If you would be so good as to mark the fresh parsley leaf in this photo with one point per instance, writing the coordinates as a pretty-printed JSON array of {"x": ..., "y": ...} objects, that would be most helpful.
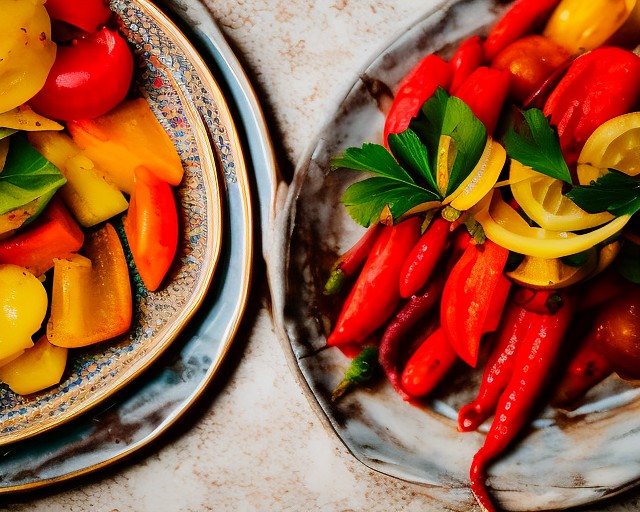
[
  {"x": 366, "y": 199},
  {"x": 26, "y": 176},
  {"x": 533, "y": 142},
  {"x": 413, "y": 155},
  {"x": 447, "y": 115},
  {"x": 373, "y": 158},
  {"x": 613, "y": 192}
]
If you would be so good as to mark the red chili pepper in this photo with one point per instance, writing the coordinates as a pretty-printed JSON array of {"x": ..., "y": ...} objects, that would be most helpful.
[
  {"x": 55, "y": 234},
  {"x": 515, "y": 323},
  {"x": 467, "y": 297},
  {"x": 467, "y": 58},
  {"x": 586, "y": 368},
  {"x": 416, "y": 88},
  {"x": 538, "y": 301},
  {"x": 539, "y": 97},
  {"x": 496, "y": 305},
  {"x": 534, "y": 360},
  {"x": 604, "y": 287},
  {"x": 394, "y": 338},
  {"x": 424, "y": 257},
  {"x": 376, "y": 294},
  {"x": 428, "y": 365},
  {"x": 351, "y": 261},
  {"x": 523, "y": 18},
  {"x": 598, "y": 86},
  {"x": 485, "y": 91},
  {"x": 151, "y": 226}
]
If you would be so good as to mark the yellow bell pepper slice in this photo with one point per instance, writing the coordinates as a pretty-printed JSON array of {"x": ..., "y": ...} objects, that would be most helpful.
[
  {"x": 38, "y": 368},
  {"x": 481, "y": 180},
  {"x": 582, "y": 26},
  {"x": 504, "y": 226},
  {"x": 23, "y": 118},
  {"x": 551, "y": 273},
  {"x": 541, "y": 198}
]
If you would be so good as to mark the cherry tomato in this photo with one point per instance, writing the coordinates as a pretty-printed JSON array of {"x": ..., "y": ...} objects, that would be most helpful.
[
  {"x": 87, "y": 15},
  {"x": 88, "y": 78},
  {"x": 530, "y": 60},
  {"x": 618, "y": 331}
]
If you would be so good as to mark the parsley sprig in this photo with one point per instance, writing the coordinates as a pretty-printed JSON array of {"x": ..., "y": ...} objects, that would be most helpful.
[
  {"x": 405, "y": 176},
  {"x": 613, "y": 192}
]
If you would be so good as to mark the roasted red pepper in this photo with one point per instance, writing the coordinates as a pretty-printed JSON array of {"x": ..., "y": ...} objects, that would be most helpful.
[
  {"x": 376, "y": 295},
  {"x": 351, "y": 261},
  {"x": 467, "y": 58},
  {"x": 151, "y": 226},
  {"x": 534, "y": 361},
  {"x": 424, "y": 257},
  {"x": 468, "y": 294},
  {"x": 428, "y": 365},
  {"x": 416, "y": 88},
  {"x": 485, "y": 91},
  {"x": 55, "y": 234},
  {"x": 523, "y": 18},
  {"x": 598, "y": 86},
  {"x": 395, "y": 335}
]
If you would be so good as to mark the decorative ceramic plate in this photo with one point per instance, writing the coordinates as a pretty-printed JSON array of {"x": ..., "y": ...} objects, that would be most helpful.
[
  {"x": 170, "y": 82},
  {"x": 144, "y": 410},
  {"x": 567, "y": 457}
]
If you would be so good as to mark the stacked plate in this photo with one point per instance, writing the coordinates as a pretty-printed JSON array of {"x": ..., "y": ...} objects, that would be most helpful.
[{"x": 116, "y": 399}]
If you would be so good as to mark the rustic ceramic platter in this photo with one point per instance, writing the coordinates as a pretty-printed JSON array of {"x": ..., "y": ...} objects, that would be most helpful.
[
  {"x": 565, "y": 459},
  {"x": 170, "y": 82}
]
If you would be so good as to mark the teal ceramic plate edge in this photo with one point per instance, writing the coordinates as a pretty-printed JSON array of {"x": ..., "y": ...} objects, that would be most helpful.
[{"x": 130, "y": 421}]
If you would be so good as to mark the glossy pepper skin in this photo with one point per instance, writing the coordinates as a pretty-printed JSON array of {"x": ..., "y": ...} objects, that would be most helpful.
[
  {"x": 523, "y": 18},
  {"x": 467, "y": 58},
  {"x": 416, "y": 88},
  {"x": 532, "y": 367},
  {"x": 598, "y": 86},
  {"x": 375, "y": 295},
  {"x": 468, "y": 294}
]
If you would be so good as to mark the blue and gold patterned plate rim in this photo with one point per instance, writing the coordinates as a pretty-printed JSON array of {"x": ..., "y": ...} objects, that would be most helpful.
[{"x": 175, "y": 85}]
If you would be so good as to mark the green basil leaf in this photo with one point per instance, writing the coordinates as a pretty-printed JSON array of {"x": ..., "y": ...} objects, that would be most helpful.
[{"x": 26, "y": 176}]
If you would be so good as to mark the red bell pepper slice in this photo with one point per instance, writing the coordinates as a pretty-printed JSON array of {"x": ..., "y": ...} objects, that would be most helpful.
[
  {"x": 55, "y": 234},
  {"x": 376, "y": 295},
  {"x": 485, "y": 91},
  {"x": 467, "y": 297},
  {"x": 598, "y": 86},
  {"x": 416, "y": 88},
  {"x": 523, "y": 18},
  {"x": 151, "y": 226},
  {"x": 467, "y": 58}
]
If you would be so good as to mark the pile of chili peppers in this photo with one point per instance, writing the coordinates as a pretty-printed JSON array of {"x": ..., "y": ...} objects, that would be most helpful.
[{"x": 427, "y": 297}]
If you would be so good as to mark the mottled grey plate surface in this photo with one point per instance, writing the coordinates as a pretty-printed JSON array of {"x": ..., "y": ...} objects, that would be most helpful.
[{"x": 565, "y": 459}]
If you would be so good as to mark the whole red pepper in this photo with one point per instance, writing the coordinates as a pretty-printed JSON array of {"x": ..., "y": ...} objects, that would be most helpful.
[
  {"x": 485, "y": 91},
  {"x": 598, "y": 86},
  {"x": 416, "y": 88},
  {"x": 467, "y": 58},
  {"x": 376, "y": 295},
  {"x": 428, "y": 365},
  {"x": 523, "y": 18},
  {"x": 395, "y": 335},
  {"x": 424, "y": 257},
  {"x": 534, "y": 361},
  {"x": 468, "y": 294}
]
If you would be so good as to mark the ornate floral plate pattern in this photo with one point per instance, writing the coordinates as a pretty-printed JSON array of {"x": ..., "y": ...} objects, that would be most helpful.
[
  {"x": 171, "y": 85},
  {"x": 567, "y": 458}
]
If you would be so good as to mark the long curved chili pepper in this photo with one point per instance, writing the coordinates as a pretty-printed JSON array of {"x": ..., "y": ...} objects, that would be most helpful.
[
  {"x": 376, "y": 295},
  {"x": 523, "y": 18},
  {"x": 485, "y": 91},
  {"x": 515, "y": 324},
  {"x": 538, "y": 301},
  {"x": 588, "y": 367},
  {"x": 349, "y": 263},
  {"x": 424, "y": 257},
  {"x": 532, "y": 367},
  {"x": 467, "y": 58},
  {"x": 394, "y": 337},
  {"x": 467, "y": 296},
  {"x": 428, "y": 365},
  {"x": 416, "y": 88}
]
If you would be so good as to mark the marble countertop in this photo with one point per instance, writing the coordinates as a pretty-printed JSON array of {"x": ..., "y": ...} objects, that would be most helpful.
[{"x": 253, "y": 442}]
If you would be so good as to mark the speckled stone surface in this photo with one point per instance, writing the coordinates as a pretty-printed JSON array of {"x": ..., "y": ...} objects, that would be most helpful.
[{"x": 253, "y": 442}]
